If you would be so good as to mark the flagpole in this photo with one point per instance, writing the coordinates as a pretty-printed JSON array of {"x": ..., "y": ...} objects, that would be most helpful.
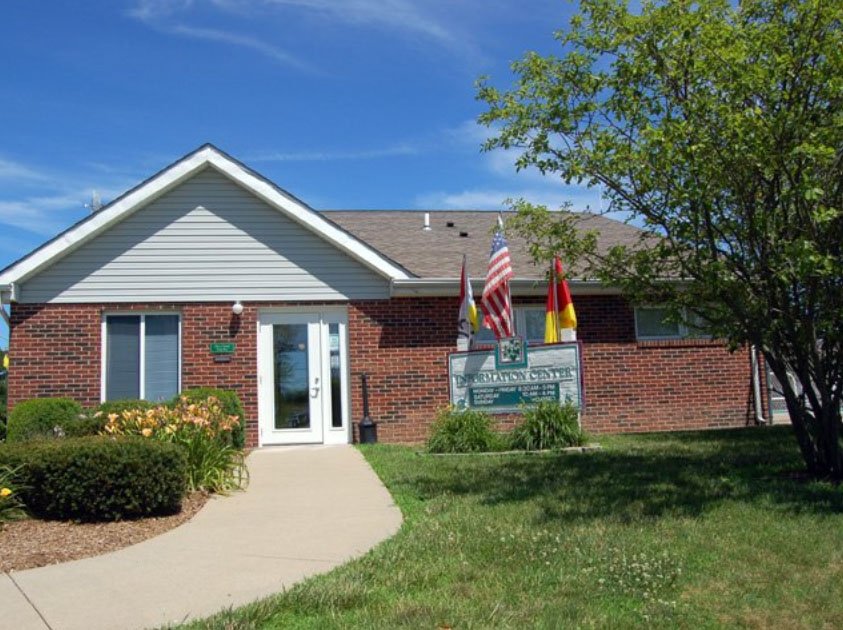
[{"x": 556, "y": 323}]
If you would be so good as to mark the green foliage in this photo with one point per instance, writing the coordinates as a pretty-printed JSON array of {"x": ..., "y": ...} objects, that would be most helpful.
[
  {"x": 717, "y": 128},
  {"x": 98, "y": 478},
  {"x": 119, "y": 406},
  {"x": 548, "y": 425},
  {"x": 10, "y": 505},
  {"x": 231, "y": 406},
  {"x": 39, "y": 417},
  {"x": 463, "y": 431},
  {"x": 201, "y": 428}
]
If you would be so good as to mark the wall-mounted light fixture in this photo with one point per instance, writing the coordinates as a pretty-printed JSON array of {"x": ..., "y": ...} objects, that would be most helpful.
[{"x": 237, "y": 308}]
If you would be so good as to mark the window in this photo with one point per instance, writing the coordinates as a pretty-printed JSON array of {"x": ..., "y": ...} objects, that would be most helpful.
[
  {"x": 529, "y": 323},
  {"x": 142, "y": 357},
  {"x": 651, "y": 323}
]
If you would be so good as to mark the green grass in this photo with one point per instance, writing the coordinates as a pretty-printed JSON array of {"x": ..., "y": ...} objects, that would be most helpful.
[{"x": 688, "y": 530}]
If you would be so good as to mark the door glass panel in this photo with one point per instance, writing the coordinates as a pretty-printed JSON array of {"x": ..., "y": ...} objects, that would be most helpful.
[
  {"x": 292, "y": 393},
  {"x": 336, "y": 375}
]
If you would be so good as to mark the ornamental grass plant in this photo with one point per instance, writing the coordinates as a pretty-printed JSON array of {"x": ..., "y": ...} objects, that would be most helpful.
[
  {"x": 463, "y": 431},
  {"x": 547, "y": 425},
  {"x": 201, "y": 428}
]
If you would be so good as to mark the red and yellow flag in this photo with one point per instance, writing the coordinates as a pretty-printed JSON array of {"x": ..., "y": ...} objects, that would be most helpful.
[{"x": 560, "y": 308}]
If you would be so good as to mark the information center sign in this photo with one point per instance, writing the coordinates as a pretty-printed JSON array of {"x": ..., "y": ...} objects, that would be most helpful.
[{"x": 552, "y": 373}]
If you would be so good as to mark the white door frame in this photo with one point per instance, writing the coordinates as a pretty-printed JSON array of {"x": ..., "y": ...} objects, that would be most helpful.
[{"x": 321, "y": 317}]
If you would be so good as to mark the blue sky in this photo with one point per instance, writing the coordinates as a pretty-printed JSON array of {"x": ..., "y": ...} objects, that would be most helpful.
[{"x": 350, "y": 104}]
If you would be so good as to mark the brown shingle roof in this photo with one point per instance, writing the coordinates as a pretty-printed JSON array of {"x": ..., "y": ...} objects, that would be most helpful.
[{"x": 437, "y": 253}]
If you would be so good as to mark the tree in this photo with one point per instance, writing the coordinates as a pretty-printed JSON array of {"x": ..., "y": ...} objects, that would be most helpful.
[{"x": 716, "y": 127}]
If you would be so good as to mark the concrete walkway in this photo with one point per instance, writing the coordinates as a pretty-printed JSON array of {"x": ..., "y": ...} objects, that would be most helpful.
[{"x": 307, "y": 510}]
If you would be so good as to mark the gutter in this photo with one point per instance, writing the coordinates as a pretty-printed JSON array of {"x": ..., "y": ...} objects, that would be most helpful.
[
  {"x": 445, "y": 287},
  {"x": 756, "y": 385}
]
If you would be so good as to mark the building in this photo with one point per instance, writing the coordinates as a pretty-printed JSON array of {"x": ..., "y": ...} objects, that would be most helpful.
[{"x": 209, "y": 274}]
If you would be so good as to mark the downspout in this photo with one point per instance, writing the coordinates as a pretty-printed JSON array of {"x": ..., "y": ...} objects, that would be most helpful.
[{"x": 756, "y": 385}]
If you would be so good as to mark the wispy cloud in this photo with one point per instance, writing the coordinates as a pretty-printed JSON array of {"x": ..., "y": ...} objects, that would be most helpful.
[
  {"x": 244, "y": 41},
  {"x": 403, "y": 17},
  {"x": 496, "y": 198},
  {"x": 332, "y": 155},
  {"x": 16, "y": 171},
  {"x": 394, "y": 14}
]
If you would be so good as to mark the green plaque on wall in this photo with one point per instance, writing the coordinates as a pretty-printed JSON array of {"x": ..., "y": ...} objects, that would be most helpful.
[{"x": 222, "y": 348}]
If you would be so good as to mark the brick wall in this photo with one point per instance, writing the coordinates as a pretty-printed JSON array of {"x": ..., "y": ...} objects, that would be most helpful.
[{"x": 403, "y": 345}]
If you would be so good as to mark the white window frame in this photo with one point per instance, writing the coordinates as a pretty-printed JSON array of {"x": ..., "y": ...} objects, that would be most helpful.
[
  {"x": 521, "y": 321},
  {"x": 685, "y": 331},
  {"x": 142, "y": 359}
]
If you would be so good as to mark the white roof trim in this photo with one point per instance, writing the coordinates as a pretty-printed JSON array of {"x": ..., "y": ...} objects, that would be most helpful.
[
  {"x": 171, "y": 177},
  {"x": 430, "y": 287}
]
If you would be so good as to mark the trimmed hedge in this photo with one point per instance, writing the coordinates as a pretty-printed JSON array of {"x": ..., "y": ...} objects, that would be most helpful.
[
  {"x": 119, "y": 406},
  {"x": 39, "y": 416},
  {"x": 98, "y": 478},
  {"x": 231, "y": 406}
]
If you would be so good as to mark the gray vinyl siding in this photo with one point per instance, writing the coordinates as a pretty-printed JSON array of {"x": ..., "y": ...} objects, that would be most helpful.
[{"x": 206, "y": 240}]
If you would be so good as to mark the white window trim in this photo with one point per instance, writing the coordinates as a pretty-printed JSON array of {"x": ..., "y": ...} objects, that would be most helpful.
[
  {"x": 684, "y": 329},
  {"x": 104, "y": 347},
  {"x": 521, "y": 321}
]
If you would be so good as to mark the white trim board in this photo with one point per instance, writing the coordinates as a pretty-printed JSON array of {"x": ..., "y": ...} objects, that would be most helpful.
[{"x": 206, "y": 156}]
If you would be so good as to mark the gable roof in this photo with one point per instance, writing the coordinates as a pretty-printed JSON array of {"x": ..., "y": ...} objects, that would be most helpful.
[
  {"x": 437, "y": 253},
  {"x": 206, "y": 156}
]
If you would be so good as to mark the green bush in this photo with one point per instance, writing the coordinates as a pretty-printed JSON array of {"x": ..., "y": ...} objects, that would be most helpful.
[
  {"x": 548, "y": 425},
  {"x": 38, "y": 418},
  {"x": 98, "y": 478},
  {"x": 463, "y": 431},
  {"x": 4, "y": 386},
  {"x": 231, "y": 406}
]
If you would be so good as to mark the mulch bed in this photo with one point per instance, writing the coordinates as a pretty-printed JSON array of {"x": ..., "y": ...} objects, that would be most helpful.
[{"x": 31, "y": 543}]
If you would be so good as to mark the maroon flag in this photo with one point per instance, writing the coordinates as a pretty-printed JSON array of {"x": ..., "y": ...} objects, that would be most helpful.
[{"x": 496, "y": 302}]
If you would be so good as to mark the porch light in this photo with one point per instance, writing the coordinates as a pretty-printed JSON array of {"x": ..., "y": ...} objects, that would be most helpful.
[{"x": 237, "y": 308}]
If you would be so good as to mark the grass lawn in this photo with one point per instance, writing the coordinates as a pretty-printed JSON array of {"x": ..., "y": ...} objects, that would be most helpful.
[{"x": 689, "y": 530}]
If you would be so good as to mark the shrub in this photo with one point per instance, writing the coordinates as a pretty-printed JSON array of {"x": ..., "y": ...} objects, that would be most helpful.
[
  {"x": 463, "y": 431},
  {"x": 201, "y": 429},
  {"x": 98, "y": 478},
  {"x": 119, "y": 406},
  {"x": 548, "y": 425},
  {"x": 39, "y": 416},
  {"x": 231, "y": 406},
  {"x": 10, "y": 505}
]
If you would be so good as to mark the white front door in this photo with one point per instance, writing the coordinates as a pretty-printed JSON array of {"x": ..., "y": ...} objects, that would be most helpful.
[{"x": 302, "y": 366}]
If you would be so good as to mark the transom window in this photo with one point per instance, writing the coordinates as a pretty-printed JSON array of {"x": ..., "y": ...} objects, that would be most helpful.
[{"x": 142, "y": 357}]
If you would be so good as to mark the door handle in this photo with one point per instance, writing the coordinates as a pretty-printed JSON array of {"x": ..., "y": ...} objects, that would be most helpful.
[{"x": 314, "y": 391}]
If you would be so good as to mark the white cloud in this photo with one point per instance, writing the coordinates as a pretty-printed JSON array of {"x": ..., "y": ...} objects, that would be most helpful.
[
  {"x": 326, "y": 156},
  {"x": 244, "y": 41},
  {"x": 17, "y": 171},
  {"x": 495, "y": 199}
]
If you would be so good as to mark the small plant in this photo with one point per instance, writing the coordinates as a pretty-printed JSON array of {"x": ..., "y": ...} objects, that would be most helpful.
[
  {"x": 548, "y": 425},
  {"x": 463, "y": 431},
  {"x": 231, "y": 406},
  {"x": 97, "y": 478},
  {"x": 10, "y": 505},
  {"x": 201, "y": 429},
  {"x": 40, "y": 417}
]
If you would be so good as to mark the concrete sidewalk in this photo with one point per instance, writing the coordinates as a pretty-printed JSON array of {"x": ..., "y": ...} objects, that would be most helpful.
[{"x": 307, "y": 510}]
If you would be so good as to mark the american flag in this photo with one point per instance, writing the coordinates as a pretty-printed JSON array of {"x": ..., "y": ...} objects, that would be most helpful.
[{"x": 496, "y": 306}]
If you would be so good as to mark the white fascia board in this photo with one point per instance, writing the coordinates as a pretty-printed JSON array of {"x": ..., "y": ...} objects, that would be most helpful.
[
  {"x": 112, "y": 214},
  {"x": 433, "y": 287},
  {"x": 308, "y": 218}
]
